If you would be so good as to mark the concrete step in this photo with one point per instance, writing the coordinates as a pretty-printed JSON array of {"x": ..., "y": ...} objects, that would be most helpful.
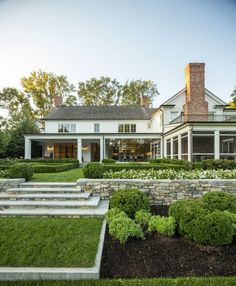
[
  {"x": 92, "y": 202},
  {"x": 43, "y": 190},
  {"x": 43, "y": 196},
  {"x": 48, "y": 185},
  {"x": 100, "y": 211}
]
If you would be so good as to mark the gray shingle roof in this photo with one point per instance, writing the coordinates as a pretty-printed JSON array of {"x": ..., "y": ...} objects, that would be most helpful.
[{"x": 101, "y": 113}]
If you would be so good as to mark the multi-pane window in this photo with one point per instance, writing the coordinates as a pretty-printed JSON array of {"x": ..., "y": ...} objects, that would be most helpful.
[
  {"x": 127, "y": 128},
  {"x": 66, "y": 128},
  {"x": 96, "y": 128}
]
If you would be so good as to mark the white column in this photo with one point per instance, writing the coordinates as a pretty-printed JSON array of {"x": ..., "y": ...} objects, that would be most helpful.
[
  {"x": 27, "y": 149},
  {"x": 171, "y": 148},
  {"x": 190, "y": 145},
  {"x": 79, "y": 150},
  {"x": 179, "y": 147},
  {"x": 164, "y": 148},
  {"x": 101, "y": 149},
  {"x": 217, "y": 145}
]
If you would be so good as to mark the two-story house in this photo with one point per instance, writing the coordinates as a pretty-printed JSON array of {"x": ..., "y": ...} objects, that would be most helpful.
[{"x": 194, "y": 124}]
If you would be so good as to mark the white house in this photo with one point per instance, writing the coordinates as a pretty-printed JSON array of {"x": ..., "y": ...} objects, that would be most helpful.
[{"x": 194, "y": 124}]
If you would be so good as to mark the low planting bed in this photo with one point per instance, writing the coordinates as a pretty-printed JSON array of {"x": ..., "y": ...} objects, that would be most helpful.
[
  {"x": 162, "y": 256},
  {"x": 49, "y": 242}
]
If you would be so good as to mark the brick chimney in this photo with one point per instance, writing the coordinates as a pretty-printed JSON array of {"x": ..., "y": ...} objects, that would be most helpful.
[
  {"x": 57, "y": 101},
  {"x": 144, "y": 102},
  {"x": 195, "y": 103}
]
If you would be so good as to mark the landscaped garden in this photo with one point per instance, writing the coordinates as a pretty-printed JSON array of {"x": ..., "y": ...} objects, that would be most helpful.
[
  {"x": 49, "y": 242},
  {"x": 189, "y": 238}
]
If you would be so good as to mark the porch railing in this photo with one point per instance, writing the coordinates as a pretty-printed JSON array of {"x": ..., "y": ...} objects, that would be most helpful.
[{"x": 203, "y": 118}]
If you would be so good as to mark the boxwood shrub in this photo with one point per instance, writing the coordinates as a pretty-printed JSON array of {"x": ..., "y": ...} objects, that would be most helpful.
[
  {"x": 94, "y": 171},
  {"x": 219, "y": 201},
  {"x": 108, "y": 161},
  {"x": 130, "y": 201},
  {"x": 53, "y": 168},
  {"x": 51, "y": 161},
  {"x": 141, "y": 166},
  {"x": 211, "y": 164},
  {"x": 21, "y": 170}
]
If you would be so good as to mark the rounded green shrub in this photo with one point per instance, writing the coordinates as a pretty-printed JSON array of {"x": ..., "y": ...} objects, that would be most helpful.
[
  {"x": 143, "y": 217},
  {"x": 130, "y": 201},
  {"x": 108, "y": 161},
  {"x": 94, "y": 171},
  {"x": 114, "y": 213},
  {"x": 163, "y": 225},
  {"x": 21, "y": 170},
  {"x": 219, "y": 201},
  {"x": 215, "y": 228},
  {"x": 123, "y": 227}
]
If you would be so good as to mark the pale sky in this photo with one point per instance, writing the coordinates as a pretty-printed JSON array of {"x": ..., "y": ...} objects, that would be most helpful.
[{"x": 122, "y": 39}]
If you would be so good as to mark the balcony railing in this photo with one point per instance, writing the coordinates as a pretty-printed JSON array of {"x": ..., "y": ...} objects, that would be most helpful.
[{"x": 203, "y": 118}]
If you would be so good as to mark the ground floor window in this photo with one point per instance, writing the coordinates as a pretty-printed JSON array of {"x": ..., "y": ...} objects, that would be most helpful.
[
  {"x": 184, "y": 146},
  {"x": 203, "y": 146},
  {"x": 175, "y": 147},
  {"x": 128, "y": 150},
  {"x": 156, "y": 149},
  {"x": 228, "y": 145},
  {"x": 65, "y": 150}
]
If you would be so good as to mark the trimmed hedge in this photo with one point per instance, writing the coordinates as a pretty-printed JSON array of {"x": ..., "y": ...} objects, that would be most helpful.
[
  {"x": 21, "y": 170},
  {"x": 94, "y": 171},
  {"x": 136, "y": 166},
  {"x": 219, "y": 201},
  {"x": 53, "y": 168},
  {"x": 108, "y": 161},
  {"x": 130, "y": 201},
  {"x": 51, "y": 161}
]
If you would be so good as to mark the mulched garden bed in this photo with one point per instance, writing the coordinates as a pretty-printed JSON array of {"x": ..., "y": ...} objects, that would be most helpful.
[{"x": 159, "y": 256}]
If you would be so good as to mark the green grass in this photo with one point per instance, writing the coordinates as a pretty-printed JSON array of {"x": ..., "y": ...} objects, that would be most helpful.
[
  {"x": 214, "y": 281},
  {"x": 67, "y": 176},
  {"x": 49, "y": 242}
]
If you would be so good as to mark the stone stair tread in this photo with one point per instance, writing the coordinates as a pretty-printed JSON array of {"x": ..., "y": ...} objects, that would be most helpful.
[
  {"x": 44, "y": 190},
  {"x": 91, "y": 202},
  {"x": 84, "y": 195},
  {"x": 101, "y": 209}
]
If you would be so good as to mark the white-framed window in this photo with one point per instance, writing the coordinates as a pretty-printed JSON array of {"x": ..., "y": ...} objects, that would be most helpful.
[
  {"x": 60, "y": 128},
  {"x": 73, "y": 128},
  {"x": 126, "y": 128},
  {"x": 96, "y": 127},
  {"x": 66, "y": 128},
  {"x": 173, "y": 115}
]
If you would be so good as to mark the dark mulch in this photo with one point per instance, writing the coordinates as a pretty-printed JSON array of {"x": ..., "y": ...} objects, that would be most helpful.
[{"x": 160, "y": 256}]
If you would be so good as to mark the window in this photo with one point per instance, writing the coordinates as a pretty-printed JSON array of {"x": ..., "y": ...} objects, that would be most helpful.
[
  {"x": 73, "y": 128},
  {"x": 133, "y": 128},
  {"x": 173, "y": 115},
  {"x": 60, "y": 128},
  {"x": 96, "y": 127},
  {"x": 127, "y": 128},
  {"x": 66, "y": 128}
]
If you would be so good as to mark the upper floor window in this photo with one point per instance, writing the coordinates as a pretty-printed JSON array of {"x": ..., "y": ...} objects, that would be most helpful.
[
  {"x": 96, "y": 128},
  {"x": 66, "y": 128},
  {"x": 127, "y": 128}
]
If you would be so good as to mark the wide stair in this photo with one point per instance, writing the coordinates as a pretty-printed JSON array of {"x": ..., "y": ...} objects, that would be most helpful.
[{"x": 51, "y": 199}]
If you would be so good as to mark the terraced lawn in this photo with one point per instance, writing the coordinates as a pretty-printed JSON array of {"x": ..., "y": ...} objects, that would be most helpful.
[
  {"x": 49, "y": 242},
  {"x": 67, "y": 176}
]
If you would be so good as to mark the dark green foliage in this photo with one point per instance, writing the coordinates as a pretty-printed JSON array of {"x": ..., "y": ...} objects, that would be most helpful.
[
  {"x": 232, "y": 216},
  {"x": 198, "y": 166},
  {"x": 108, "y": 161},
  {"x": 53, "y": 168},
  {"x": 143, "y": 217},
  {"x": 114, "y": 213},
  {"x": 94, "y": 171},
  {"x": 163, "y": 225},
  {"x": 220, "y": 201},
  {"x": 122, "y": 228},
  {"x": 51, "y": 161},
  {"x": 21, "y": 170},
  {"x": 214, "y": 228},
  {"x": 130, "y": 201},
  {"x": 142, "y": 166},
  {"x": 218, "y": 164}
]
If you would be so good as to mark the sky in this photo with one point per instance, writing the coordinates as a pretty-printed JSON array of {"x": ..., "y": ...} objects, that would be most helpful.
[{"x": 122, "y": 39}]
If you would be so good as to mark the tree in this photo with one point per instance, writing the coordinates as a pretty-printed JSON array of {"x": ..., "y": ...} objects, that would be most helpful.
[
  {"x": 233, "y": 95},
  {"x": 102, "y": 91},
  {"x": 133, "y": 90},
  {"x": 41, "y": 87},
  {"x": 14, "y": 101},
  {"x": 18, "y": 125},
  {"x": 4, "y": 139}
]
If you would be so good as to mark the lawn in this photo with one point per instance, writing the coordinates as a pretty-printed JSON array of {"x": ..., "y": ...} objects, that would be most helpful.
[
  {"x": 216, "y": 281},
  {"x": 67, "y": 176},
  {"x": 49, "y": 242}
]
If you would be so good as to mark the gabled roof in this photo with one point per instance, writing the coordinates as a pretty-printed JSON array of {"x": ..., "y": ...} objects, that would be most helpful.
[{"x": 101, "y": 113}]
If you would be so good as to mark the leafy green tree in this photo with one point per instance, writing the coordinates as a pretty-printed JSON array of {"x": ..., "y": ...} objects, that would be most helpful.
[
  {"x": 4, "y": 139},
  {"x": 133, "y": 90},
  {"x": 18, "y": 125},
  {"x": 14, "y": 101},
  {"x": 233, "y": 96},
  {"x": 41, "y": 87},
  {"x": 102, "y": 91}
]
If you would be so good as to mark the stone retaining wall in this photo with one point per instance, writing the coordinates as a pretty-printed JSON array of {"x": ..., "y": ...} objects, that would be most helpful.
[
  {"x": 10, "y": 183},
  {"x": 160, "y": 192}
]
